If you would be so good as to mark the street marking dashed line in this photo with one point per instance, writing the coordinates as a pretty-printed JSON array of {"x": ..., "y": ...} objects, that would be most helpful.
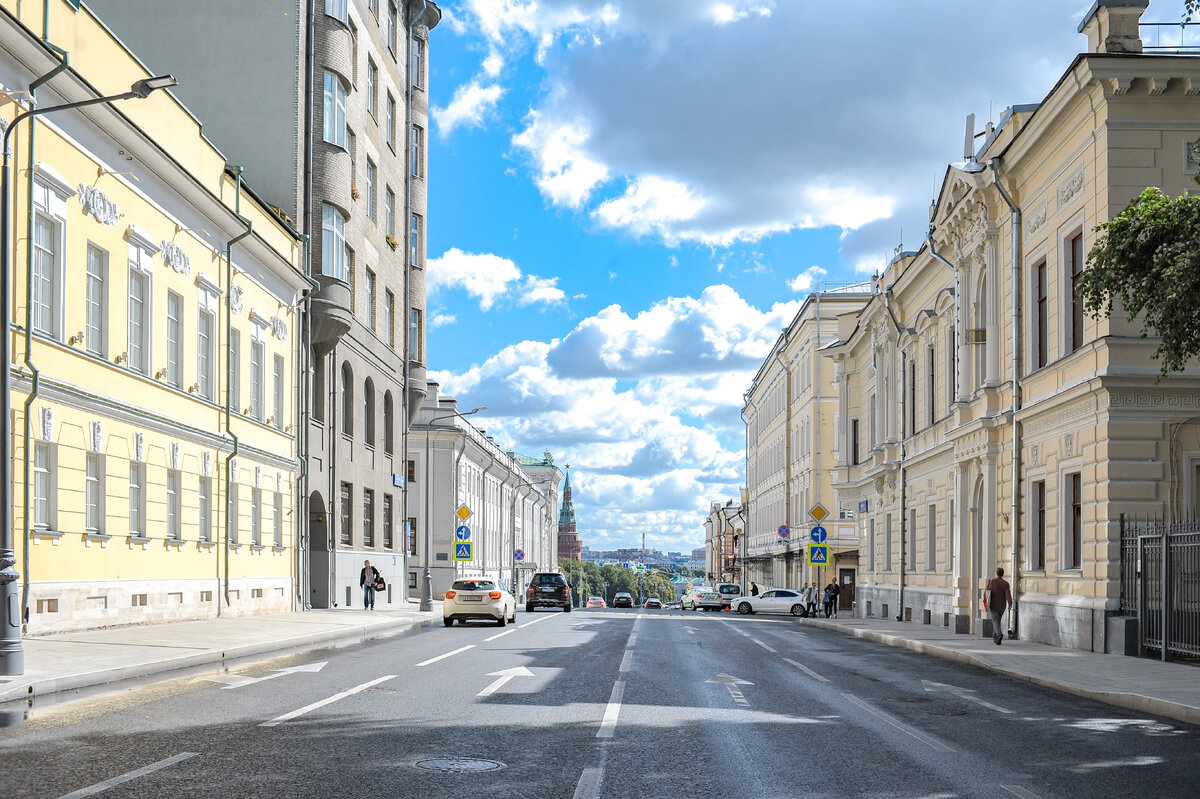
[
  {"x": 608, "y": 724},
  {"x": 448, "y": 654},
  {"x": 898, "y": 724},
  {"x": 328, "y": 701},
  {"x": 764, "y": 646},
  {"x": 91, "y": 790},
  {"x": 807, "y": 670}
]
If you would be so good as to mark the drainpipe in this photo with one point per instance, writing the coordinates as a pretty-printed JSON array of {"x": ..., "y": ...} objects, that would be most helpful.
[
  {"x": 237, "y": 173},
  {"x": 887, "y": 300},
  {"x": 1015, "y": 513}
]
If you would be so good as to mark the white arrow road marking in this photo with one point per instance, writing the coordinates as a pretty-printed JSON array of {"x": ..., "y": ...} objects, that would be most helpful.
[
  {"x": 691, "y": 630},
  {"x": 962, "y": 693},
  {"x": 505, "y": 676},
  {"x": 732, "y": 683},
  {"x": 307, "y": 708},
  {"x": 92, "y": 790},
  {"x": 238, "y": 680}
]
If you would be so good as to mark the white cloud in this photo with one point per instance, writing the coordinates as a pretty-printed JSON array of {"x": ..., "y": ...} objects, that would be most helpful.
[
  {"x": 491, "y": 278},
  {"x": 493, "y": 64},
  {"x": 540, "y": 289},
  {"x": 470, "y": 105},
  {"x": 803, "y": 282},
  {"x": 566, "y": 175},
  {"x": 441, "y": 319},
  {"x": 651, "y": 204}
]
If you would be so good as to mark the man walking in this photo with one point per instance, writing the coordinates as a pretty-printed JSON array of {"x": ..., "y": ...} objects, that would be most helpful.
[
  {"x": 814, "y": 594},
  {"x": 995, "y": 596},
  {"x": 834, "y": 592},
  {"x": 366, "y": 579}
]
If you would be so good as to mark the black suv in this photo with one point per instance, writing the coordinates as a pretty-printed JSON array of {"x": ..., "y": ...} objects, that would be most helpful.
[{"x": 548, "y": 590}]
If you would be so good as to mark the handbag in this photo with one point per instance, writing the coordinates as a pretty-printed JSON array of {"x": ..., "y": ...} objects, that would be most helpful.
[{"x": 380, "y": 585}]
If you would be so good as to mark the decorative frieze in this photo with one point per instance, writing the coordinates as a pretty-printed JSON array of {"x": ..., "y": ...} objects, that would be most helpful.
[
  {"x": 174, "y": 257},
  {"x": 235, "y": 299},
  {"x": 97, "y": 203},
  {"x": 1069, "y": 445},
  {"x": 97, "y": 436},
  {"x": 1037, "y": 219},
  {"x": 279, "y": 328},
  {"x": 1069, "y": 188},
  {"x": 206, "y": 464},
  {"x": 47, "y": 424},
  {"x": 174, "y": 455},
  {"x": 258, "y": 477},
  {"x": 139, "y": 447}
]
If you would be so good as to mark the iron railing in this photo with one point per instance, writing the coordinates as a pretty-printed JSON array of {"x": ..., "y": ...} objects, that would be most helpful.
[{"x": 1169, "y": 37}]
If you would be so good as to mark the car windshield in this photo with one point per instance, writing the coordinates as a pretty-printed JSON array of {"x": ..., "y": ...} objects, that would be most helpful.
[
  {"x": 730, "y": 589},
  {"x": 549, "y": 579},
  {"x": 474, "y": 585}
]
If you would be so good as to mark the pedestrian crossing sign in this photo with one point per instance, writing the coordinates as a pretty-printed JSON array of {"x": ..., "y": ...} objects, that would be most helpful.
[
  {"x": 818, "y": 554},
  {"x": 464, "y": 550}
]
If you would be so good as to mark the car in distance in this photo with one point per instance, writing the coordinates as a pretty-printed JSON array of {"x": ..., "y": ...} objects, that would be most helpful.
[
  {"x": 478, "y": 598},
  {"x": 653, "y": 603},
  {"x": 728, "y": 592},
  {"x": 622, "y": 599},
  {"x": 548, "y": 590},
  {"x": 596, "y": 602},
  {"x": 774, "y": 600},
  {"x": 701, "y": 597}
]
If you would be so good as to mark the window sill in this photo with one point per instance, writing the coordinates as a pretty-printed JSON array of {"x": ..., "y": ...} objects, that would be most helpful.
[
  {"x": 257, "y": 547},
  {"x": 234, "y": 546},
  {"x": 96, "y": 538},
  {"x": 45, "y": 534},
  {"x": 278, "y": 549},
  {"x": 1076, "y": 572},
  {"x": 206, "y": 545},
  {"x": 138, "y": 540},
  {"x": 174, "y": 542}
]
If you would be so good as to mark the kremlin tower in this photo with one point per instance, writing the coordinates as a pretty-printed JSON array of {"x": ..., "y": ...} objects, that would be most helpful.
[{"x": 569, "y": 545}]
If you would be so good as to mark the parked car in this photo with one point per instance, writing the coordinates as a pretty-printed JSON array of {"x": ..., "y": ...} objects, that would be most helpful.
[
  {"x": 701, "y": 597},
  {"x": 728, "y": 592},
  {"x": 774, "y": 600},
  {"x": 653, "y": 603},
  {"x": 478, "y": 599},
  {"x": 622, "y": 599},
  {"x": 596, "y": 602},
  {"x": 548, "y": 590}
]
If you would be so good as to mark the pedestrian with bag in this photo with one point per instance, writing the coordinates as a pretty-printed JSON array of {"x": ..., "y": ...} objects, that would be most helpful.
[
  {"x": 370, "y": 580},
  {"x": 834, "y": 592},
  {"x": 997, "y": 597}
]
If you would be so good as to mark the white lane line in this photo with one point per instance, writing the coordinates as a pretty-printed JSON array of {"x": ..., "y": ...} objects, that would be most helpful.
[
  {"x": 632, "y": 640},
  {"x": 625, "y": 661},
  {"x": 501, "y": 635},
  {"x": 764, "y": 646},
  {"x": 589, "y": 784},
  {"x": 608, "y": 725},
  {"x": 535, "y": 621},
  {"x": 807, "y": 670},
  {"x": 91, "y": 790},
  {"x": 900, "y": 725},
  {"x": 329, "y": 701},
  {"x": 448, "y": 654},
  {"x": 1021, "y": 792}
]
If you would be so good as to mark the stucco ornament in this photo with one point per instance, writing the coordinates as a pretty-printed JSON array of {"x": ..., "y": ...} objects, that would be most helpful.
[
  {"x": 47, "y": 424},
  {"x": 235, "y": 299},
  {"x": 279, "y": 328},
  {"x": 139, "y": 447},
  {"x": 97, "y": 436},
  {"x": 97, "y": 203},
  {"x": 174, "y": 455},
  {"x": 206, "y": 464},
  {"x": 176, "y": 258}
]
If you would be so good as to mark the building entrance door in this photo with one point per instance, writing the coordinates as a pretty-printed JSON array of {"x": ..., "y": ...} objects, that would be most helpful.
[{"x": 846, "y": 583}]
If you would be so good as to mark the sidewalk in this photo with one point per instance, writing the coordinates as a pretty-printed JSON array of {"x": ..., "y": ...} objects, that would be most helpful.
[
  {"x": 1142, "y": 684},
  {"x": 68, "y": 661}
]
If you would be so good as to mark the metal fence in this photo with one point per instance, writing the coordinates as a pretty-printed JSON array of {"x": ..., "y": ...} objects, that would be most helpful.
[{"x": 1160, "y": 584}]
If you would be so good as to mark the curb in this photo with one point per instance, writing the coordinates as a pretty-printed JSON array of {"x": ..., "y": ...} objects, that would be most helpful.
[
  {"x": 1129, "y": 701},
  {"x": 296, "y": 644}
]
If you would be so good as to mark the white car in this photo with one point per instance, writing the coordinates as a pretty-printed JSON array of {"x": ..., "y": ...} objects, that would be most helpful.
[
  {"x": 478, "y": 598},
  {"x": 773, "y": 600},
  {"x": 702, "y": 596},
  {"x": 595, "y": 602}
]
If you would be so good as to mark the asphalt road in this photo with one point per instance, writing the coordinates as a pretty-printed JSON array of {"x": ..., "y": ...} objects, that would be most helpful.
[{"x": 611, "y": 704}]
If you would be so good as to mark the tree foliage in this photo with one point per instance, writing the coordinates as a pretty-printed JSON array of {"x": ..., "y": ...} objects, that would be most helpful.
[{"x": 1148, "y": 259}]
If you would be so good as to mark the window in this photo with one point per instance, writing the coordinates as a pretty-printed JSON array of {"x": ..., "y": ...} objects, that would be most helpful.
[
  {"x": 44, "y": 488},
  {"x": 174, "y": 505},
  {"x": 204, "y": 509},
  {"x": 257, "y": 403},
  {"x": 1075, "y": 265},
  {"x": 391, "y": 27},
  {"x": 414, "y": 240},
  {"x": 909, "y": 543},
  {"x": 389, "y": 204},
  {"x": 412, "y": 472},
  {"x": 353, "y": 52},
  {"x": 93, "y": 495},
  {"x": 335, "y": 110},
  {"x": 368, "y": 522},
  {"x": 279, "y": 388},
  {"x": 256, "y": 517},
  {"x": 337, "y": 9},
  {"x": 389, "y": 317},
  {"x": 853, "y": 442},
  {"x": 318, "y": 391},
  {"x": 46, "y": 281},
  {"x": 410, "y": 535},
  {"x": 235, "y": 369},
  {"x": 387, "y": 521},
  {"x": 334, "y": 254},
  {"x": 370, "y": 289},
  {"x": 96, "y": 301},
  {"x": 931, "y": 386},
  {"x": 138, "y": 352},
  {"x": 278, "y": 519},
  {"x": 373, "y": 5},
  {"x": 418, "y": 62},
  {"x": 414, "y": 151},
  {"x": 931, "y": 538},
  {"x": 388, "y": 422},
  {"x": 137, "y": 500},
  {"x": 1074, "y": 559},
  {"x": 369, "y": 413},
  {"x": 344, "y": 532},
  {"x": 372, "y": 83},
  {"x": 887, "y": 543},
  {"x": 347, "y": 400},
  {"x": 174, "y": 339},
  {"x": 372, "y": 175},
  {"x": 390, "y": 114},
  {"x": 414, "y": 334},
  {"x": 235, "y": 514},
  {"x": 912, "y": 397},
  {"x": 205, "y": 353},
  {"x": 1041, "y": 331},
  {"x": 871, "y": 544},
  {"x": 1037, "y": 547}
]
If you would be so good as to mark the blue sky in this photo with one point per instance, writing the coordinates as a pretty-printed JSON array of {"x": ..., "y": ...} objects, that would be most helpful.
[{"x": 630, "y": 198}]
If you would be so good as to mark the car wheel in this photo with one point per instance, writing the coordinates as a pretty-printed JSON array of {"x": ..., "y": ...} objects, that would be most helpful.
[
  {"x": 799, "y": 610},
  {"x": 567, "y": 609},
  {"x": 513, "y": 616},
  {"x": 502, "y": 620},
  {"x": 745, "y": 609},
  {"x": 528, "y": 608},
  {"x": 447, "y": 622}
]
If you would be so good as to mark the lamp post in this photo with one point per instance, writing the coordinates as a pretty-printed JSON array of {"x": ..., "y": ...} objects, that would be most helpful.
[
  {"x": 427, "y": 583},
  {"x": 12, "y": 654}
]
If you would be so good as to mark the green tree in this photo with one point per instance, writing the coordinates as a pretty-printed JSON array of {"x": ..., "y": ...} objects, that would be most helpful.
[{"x": 1148, "y": 259}]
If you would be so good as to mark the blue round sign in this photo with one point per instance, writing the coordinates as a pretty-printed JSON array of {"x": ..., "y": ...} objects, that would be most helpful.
[
  {"x": 463, "y": 533},
  {"x": 818, "y": 534},
  {"x": 784, "y": 531}
]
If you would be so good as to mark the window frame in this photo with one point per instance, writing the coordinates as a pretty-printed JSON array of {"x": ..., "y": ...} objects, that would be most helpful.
[
  {"x": 372, "y": 89},
  {"x": 137, "y": 499},
  {"x": 93, "y": 494},
  {"x": 95, "y": 326},
  {"x": 416, "y": 148},
  {"x": 174, "y": 491},
  {"x": 372, "y": 181},
  {"x": 334, "y": 123},
  {"x": 368, "y": 517},
  {"x": 345, "y": 502},
  {"x": 279, "y": 389},
  {"x": 416, "y": 226},
  {"x": 204, "y": 509},
  {"x": 141, "y": 337},
  {"x": 277, "y": 519},
  {"x": 417, "y": 66},
  {"x": 175, "y": 325},
  {"x": 335, "y": 252},
  {"x": 45, "y": 487}
]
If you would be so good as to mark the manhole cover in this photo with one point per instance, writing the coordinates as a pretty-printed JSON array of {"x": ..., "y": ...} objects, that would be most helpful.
[{"x": 459, "y": 765}]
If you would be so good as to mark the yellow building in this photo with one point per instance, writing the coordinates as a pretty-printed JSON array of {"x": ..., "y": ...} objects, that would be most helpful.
[{"x": 155, "y": 347}]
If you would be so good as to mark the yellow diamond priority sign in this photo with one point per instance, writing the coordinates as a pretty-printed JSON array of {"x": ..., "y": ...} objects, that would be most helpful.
[
  {"x": 818, "y": 512},
  {"x": 463, "y": 512}
]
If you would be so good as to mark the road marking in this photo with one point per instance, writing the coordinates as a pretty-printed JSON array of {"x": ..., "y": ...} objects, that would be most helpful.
[
  {"x": 625, "y": 661},
  {"x": 732, "y": 683},
  {"x": 691, "y": 630},
  {"x": 505, "y": 676},
  {"x": 1021, "y": 792},
  {"x": 632, "y": 640},
  {"x": 535, "y": 621},
  {"x": 764, "y": 646},
  {"x": 315, "y": 705},
  {"x": 238, "y": 680},
  {"x": 448, "y": 654},
  {"x": 962, "y": 693},
  {"x": 900, "y": 725},
  {"x": 589, "y": 784},
  {"x": 807, "y": 670},
  {"x": 608, "y": 724},
  {"x": 501, "y": 635},
  {"x": 91, "y": 790}
]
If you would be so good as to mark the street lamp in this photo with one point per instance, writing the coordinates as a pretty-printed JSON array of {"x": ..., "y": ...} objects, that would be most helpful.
[
  {"x": 427, "y": 583},
  {"x": 12, "y": 654}
]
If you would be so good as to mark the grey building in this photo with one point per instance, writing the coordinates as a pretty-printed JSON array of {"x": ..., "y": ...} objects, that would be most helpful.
[{"x": 325, "y": 105}]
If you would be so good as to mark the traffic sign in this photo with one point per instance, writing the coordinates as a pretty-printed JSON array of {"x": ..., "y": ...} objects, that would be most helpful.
[
  {"x": 784, "y": 531},
  {"x": 463, "y": 512},
  {"x": 462, "y": 533},
  {"x": 818, "y": 554},
  {"x": 464, "y": 550},
  {"x": 818, "y": 534},
  {"x": 818, "y": 512},
  {"x": 519, "y": 555}
]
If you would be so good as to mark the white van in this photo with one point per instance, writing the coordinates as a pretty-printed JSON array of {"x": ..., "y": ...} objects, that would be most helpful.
[{"x": 728, "y": 592}]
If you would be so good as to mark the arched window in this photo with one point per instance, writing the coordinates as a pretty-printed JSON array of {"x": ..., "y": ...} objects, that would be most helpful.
[
  {"x": 347, "y": 400},
  {"x": 369, "y": 412},
  {"x": 388, "y": 423}
]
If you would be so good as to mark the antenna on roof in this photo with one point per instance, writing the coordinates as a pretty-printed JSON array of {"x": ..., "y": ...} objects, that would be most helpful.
[{"x": 969, "y": 139}]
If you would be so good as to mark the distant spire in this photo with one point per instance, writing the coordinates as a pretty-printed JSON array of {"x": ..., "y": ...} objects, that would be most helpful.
[{"x": 566, "y": 514}]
